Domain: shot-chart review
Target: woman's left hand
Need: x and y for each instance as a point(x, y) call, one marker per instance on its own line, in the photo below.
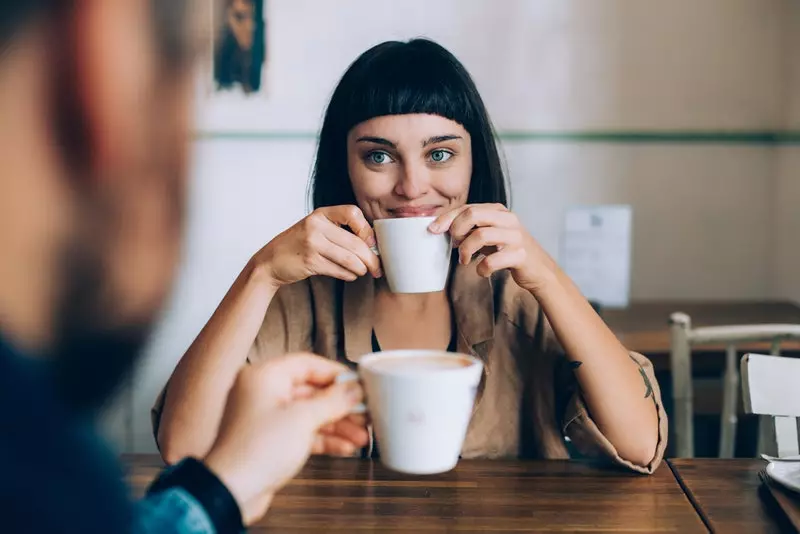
point(496, 233)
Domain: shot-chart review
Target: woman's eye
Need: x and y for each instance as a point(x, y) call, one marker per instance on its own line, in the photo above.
point(378, 158)
point(440, 156)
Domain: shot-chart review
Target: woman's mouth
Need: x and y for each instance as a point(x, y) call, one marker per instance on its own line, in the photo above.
point(414, 211)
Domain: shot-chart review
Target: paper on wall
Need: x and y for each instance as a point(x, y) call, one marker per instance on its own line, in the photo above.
point(596, 252)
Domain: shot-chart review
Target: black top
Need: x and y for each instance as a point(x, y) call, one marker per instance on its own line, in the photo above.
point(451, 347)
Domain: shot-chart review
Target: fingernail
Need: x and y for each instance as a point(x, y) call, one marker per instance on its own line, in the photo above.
point(433, 227)
point(379, 273)
point(371, 241)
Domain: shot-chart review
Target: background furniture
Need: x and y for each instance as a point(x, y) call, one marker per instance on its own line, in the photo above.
point(772, 389)
point(683, 338)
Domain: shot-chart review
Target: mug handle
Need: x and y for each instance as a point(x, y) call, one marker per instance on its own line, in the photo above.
point(351, 376)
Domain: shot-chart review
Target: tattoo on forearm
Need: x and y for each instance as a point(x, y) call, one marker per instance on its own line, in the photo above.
point(649, 391)
point(575, 365)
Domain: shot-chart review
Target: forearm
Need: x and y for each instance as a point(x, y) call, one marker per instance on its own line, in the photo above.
point(199, 386)
point(616, 392)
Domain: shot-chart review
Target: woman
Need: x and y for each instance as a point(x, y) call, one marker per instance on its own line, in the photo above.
point(406, 134)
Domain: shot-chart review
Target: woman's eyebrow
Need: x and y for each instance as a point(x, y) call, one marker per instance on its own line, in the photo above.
point(376, 140)
point(439, 139)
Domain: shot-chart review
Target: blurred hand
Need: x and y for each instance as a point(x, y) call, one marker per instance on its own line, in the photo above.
point(277, 414)
point(318, 245)
point(492, 231)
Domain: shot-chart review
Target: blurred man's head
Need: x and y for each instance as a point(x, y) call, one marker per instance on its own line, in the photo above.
point(94, 118)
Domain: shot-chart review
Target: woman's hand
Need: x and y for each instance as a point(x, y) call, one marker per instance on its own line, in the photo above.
point(319, 245)
point(493, 231)
point(610, 382)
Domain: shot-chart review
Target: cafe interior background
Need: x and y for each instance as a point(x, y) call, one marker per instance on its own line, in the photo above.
point(686, 111)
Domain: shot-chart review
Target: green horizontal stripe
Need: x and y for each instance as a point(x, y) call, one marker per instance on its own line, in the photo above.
point(624, 137)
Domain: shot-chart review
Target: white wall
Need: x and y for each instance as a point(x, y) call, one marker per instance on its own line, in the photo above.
point(786, 269)
point(702, 213)
point(541, 65)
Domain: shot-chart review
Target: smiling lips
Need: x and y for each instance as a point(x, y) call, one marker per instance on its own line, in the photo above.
point(414, 211)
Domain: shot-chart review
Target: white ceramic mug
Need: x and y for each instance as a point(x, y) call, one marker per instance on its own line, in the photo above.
point(420, 403)
point(414, 259)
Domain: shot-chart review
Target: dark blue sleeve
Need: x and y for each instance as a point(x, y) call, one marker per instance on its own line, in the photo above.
point(173, 511)
point(192, 497)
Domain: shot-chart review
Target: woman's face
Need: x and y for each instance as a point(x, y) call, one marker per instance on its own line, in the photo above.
point(241, 20)
point(409, 165)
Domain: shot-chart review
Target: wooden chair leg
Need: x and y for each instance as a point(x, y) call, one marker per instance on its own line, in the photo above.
point(730, 399)
point(681, 367)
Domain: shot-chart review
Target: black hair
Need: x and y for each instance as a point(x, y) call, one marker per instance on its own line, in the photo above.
point(399, 78)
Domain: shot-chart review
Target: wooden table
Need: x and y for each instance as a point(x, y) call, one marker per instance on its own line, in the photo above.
point(350, 495)
point(729, 496)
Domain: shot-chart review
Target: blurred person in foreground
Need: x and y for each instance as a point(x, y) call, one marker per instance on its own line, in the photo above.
point(94, 119)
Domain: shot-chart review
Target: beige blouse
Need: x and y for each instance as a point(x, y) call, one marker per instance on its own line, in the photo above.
point(528, 399)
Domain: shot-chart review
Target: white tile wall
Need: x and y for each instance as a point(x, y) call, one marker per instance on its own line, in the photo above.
point(791, 44)
point(786, 266)
point(545, 64)
point(703, 214)
point(786, 270)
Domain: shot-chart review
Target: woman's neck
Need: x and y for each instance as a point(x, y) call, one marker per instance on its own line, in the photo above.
point(411, 321)
point(408, 302)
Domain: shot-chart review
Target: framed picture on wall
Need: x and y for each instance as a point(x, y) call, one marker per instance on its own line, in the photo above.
point(233, 83)
point(240, 47)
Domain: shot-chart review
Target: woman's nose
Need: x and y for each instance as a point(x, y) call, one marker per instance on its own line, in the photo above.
point(414, 181)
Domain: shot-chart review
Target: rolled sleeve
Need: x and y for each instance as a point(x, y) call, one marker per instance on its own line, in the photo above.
point(587, 438)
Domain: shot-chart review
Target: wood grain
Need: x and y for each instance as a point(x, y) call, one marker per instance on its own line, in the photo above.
point(729, 495)
point(351, 495)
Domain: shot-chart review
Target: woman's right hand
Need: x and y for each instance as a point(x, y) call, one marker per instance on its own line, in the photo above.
point(319, 245)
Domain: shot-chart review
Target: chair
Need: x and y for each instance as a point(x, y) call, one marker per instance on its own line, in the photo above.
point(682, 338)
point(771, 391)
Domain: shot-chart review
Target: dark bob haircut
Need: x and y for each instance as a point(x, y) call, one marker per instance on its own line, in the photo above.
point(399, 78)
